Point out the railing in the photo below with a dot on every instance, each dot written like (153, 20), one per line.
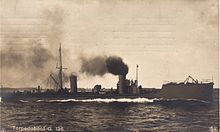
(182, 81)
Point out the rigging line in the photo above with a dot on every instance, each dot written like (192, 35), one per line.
(47, 82)
(44, 81)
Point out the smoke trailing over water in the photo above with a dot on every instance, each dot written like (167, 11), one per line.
(32, 60)
(28, 54)
(34, 57)
(9, 58)
(100, 65)
(28, 58)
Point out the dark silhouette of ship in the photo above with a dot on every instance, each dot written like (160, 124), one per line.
(188, 90)
(125, 89)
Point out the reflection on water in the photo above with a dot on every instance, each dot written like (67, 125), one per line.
(112, 115)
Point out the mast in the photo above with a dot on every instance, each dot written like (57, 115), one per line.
(60, 68)
(137, 74)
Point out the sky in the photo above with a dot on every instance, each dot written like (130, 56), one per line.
(168, 39)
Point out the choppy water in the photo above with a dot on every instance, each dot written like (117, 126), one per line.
(113, 115)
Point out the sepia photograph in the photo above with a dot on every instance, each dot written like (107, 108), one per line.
(109, 66)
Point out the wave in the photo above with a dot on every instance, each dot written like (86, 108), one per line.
(23, 101)
(187, 100)
(123, 100)
(99, 100)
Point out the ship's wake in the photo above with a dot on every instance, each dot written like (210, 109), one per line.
(155, 101)
(99, 100)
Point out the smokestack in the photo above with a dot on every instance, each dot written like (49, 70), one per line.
(73, 84)
(121, 84)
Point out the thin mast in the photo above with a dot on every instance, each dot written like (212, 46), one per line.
(61, 68)
(137, 74)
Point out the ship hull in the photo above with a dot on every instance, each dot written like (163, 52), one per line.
(187, 91)
(168, 91)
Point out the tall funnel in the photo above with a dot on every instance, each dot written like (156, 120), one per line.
(73, 84)
(121, 83)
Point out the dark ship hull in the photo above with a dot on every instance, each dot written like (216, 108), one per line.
(194, 90)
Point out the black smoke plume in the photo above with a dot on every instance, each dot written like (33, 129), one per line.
(116, 66)
(100, 65)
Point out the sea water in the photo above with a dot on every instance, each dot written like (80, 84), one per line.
(140, 114)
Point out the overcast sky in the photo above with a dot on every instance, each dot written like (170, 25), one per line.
(168, 39)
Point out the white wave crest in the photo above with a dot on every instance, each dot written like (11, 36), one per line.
(99, 100)
(196, 100)
(24, 101)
